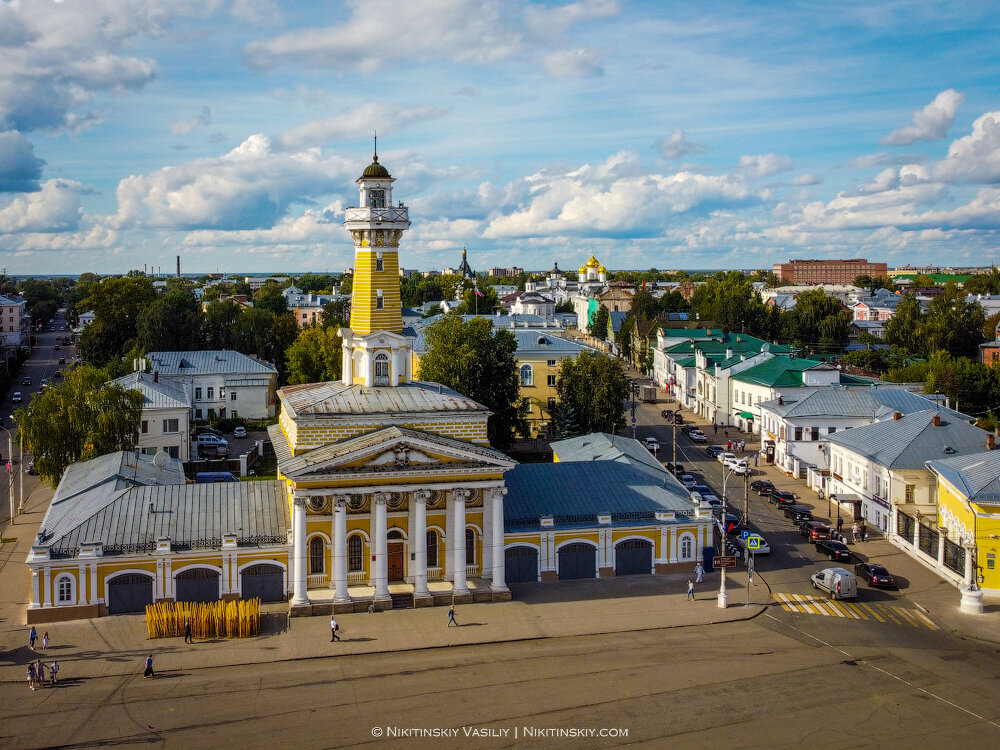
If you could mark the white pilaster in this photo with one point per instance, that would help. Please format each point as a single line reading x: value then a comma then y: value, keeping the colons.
x: 486, y: 569
x: 459, y: 585
x: 168, y: 577
x: 47, y: 593
x: 81, y: 582
x: 381, y: 548
x: 35, y: 589
x: 419, y: 537
x: 340, y: 550
x: 300, y: 576
x: 449, y: 538
x: 93, y: 583
x: 499, y: 582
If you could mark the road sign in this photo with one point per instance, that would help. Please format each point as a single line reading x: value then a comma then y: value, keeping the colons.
x: 633, y: 420
x: 754, y: 542
x: 724, y: 561
x: 745, y: 534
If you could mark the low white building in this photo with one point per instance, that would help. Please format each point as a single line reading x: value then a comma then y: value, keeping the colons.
x: 219, y: 383
x: 14, y: 321
x: 166, y: 415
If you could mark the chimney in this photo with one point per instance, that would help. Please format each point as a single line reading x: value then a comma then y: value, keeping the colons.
x: 937, y: 420
x: 991, y: 442
x: 897, y: 415
x: 781, y: 401
x: 156, y: 376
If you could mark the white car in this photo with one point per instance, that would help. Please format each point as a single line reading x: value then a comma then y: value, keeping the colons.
x: 738, y: 466
x: 16, y: 398
x: 653, y: 444
x: 762, y: 548
x: 698, y: 436
x: 688, y: 481
x: 725, y: 458
x: 240, y: 432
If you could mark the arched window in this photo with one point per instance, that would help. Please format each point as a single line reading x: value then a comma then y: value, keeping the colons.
x: 317, y: 555
x: 381, y: 369
x: 64, y: 590
x: 432, y: 549
x: 379, y: 264
x: 687, y: 547
x: 526, y: 375
x: 470, y: 547
x: 355, y: 562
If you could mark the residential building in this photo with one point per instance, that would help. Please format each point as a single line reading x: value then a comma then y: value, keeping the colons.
x: 803, y: 271
x: 166, y: 415
x: 219, y: 383
x: 257, y: 282
x: 506, y: 273
x: 14, y: 321
x: 846, y: 294
x: 879, y: 472
x: 529, y: 302
x: 881, y: 307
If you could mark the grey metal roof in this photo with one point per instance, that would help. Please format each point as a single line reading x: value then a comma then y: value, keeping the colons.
x: 161, y: 395
x: 529, y: 341
x: 575, y: 492
x: 859, y: 402
x: 617, y: 318
x: 976, y: 475
x: 87, y: 486
x: 336, y: 399
x: 193, y: 516
x: 330, y: 452
x: 603, y: 446
x: 909, y: 442
x: 212, y: 362
x: 282, y: 450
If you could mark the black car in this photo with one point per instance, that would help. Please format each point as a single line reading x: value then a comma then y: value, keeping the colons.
x: 678, y: 419
x: 761, y: 486
x: 798, y: 513
x: 876, y: 575
x: 679, y: 469
x: 667, y: 414
x: 781, y: 498
x: 733, y: 522
x: 837, y: 551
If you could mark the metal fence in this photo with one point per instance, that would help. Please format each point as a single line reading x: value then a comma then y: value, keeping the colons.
x: 904, y: 526
x: 928, y: 540
x: 954, y: 557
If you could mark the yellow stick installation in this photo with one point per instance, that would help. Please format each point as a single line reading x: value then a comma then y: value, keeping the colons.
x: 239, y: 619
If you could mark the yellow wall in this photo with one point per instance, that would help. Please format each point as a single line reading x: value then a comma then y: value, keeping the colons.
x: 988, y: 550
x: 365, y: 318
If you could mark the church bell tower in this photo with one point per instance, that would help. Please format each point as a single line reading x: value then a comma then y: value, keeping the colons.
x: 376, y: 353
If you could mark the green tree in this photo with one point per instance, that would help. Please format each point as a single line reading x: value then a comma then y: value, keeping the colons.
x: 731, y: 301
x: 336, y: 313
x: 172, y: 322
x: 972, y: 387
x: 923, y: 281
x: 990, y: 327
x: 595, y: 388
x: 599, y: 323
x: 983, y: 283
x: 874, y: 283
x: 644, y: 304
x: 316, y: 282
x: 817, y: 323
x: 269, y: 297
x: 315, y: 356
x: 480, y: 362
x: 78, y: 419
x: 905, y: 328
x: 222, y: 318
x: 954, y: 325
x: 116, y: 304
x: 565, y: 307
x: 565, y: 420
x: 485, y: 303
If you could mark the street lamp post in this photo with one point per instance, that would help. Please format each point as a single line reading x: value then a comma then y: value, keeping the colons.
x: 10, y: 472
x: 723, y: 596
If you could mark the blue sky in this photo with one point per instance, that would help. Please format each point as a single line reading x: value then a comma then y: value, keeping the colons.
x: 652, y: 134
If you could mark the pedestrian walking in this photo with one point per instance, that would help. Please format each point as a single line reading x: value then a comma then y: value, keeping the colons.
x: 334, y: 627
x: 699, y: 572
x: 451, y: 616
x: 31, y: 675
x: 840, y: 526
x: 32, y: 637
x: 149, y: 667
x: 855, y: 531
x: 53, y: 671
x: 727, y: 432
x: 716, y: 426
x: 39, y: 673
x: 187, y: 632
x: 864, y: 532
x: 755, y: 457
x: 690, y: 596
x: 729, y: 445
x: 45, y: 640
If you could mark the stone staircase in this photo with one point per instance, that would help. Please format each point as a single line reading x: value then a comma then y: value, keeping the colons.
x: 402, y: 601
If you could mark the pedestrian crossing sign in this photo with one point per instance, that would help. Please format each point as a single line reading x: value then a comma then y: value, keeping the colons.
x: 753, y: 542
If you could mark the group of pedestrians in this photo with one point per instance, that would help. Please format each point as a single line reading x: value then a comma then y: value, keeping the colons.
x: 36, y: 674
x: 33, y: 637
x: 736, y: 446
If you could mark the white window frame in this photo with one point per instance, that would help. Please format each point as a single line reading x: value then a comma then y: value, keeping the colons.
x: 57, y: 590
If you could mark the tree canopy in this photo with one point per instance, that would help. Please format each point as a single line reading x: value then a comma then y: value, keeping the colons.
x: 78, y: 419
x: 592, y: 390
x: 315, y: 356
x: 599, y: 323
x: 479, y: 362
x: 117, y: 304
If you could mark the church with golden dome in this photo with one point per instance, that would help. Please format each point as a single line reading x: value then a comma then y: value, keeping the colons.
x: 593, y: 272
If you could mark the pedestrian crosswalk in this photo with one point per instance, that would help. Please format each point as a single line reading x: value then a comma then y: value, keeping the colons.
x: 884, y: 613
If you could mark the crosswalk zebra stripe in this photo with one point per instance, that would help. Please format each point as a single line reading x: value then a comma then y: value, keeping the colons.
x: 907, y: 617
x: 925, y: 619
x: 786, y: 602
x: 885, y: 614
x: 871, y: 610
x: 853, y: 611
x: 805, y: 604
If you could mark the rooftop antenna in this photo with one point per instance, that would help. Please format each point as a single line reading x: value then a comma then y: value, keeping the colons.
x: 376, y: 145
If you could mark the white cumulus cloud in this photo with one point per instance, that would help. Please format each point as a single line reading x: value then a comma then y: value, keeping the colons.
x: 930, y: 123
x: 359, y: 122
x: 53, y: 208
x: 677, y: 145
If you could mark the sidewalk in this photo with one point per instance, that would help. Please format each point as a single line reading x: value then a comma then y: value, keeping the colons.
x: 932, y: 594
x: 118, y: 645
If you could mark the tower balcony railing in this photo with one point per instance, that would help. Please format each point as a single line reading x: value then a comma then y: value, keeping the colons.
x: 400, y: 213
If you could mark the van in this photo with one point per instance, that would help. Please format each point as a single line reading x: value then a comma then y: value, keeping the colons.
x: 838, y: 582
x: 206, y: 477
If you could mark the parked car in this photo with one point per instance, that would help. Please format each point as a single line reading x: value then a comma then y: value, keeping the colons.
x: 781, y: 498
x: 762, y: 548
x: 687, y: 428
x: 839, y: 583
x: 704, y: 489
x: 653, y: 444
x: 62, y: 360
x: 688, y: 481
x: 204, y: 430
x: 57, y: 375
x: 834, y: 550
x: 876, y: 575
x: 240, y: 432
x: 44, y: 383
x: 815, y: 530
x: 712, y: 500
x: 698, y: 436
x: 16, y: 398
x: 56, y: 347
x: 31, y: 467
x: 725, y: 456
x: 26, y: 380
x: 667, y: 414
x: 733, y: 522
x: 798, y: 513
x: 761, y: 486
x: 678, y: 419
x: 737, y: 466
x: 678, y: 468
x: 207, y: 440
x: 715, y: 450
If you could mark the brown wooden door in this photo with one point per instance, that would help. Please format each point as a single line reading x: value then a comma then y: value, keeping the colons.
x: 395, y: 560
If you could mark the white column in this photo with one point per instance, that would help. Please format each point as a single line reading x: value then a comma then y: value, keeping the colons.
x: 35, y: 593
x: 916, y: 530
x: 299, y: 579
x: 499, y: 582
x: 168, y: 578
x: 419, y: 538
x: 81, y: 581
x: 459, y: 585
x: 449, y: 538
x: 47, y: 594
x: 381, y: 548
x: 93, y: 583
x: 340, y: 549
x: 227, y: 581
x: 486, y: 569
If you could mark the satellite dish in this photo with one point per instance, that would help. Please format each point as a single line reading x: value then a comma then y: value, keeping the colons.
x: 161, y: 459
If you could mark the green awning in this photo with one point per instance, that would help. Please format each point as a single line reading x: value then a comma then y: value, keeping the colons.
x: 746, y: 414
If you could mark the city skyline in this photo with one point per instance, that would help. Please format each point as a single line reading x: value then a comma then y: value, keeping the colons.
x: 648, y: 134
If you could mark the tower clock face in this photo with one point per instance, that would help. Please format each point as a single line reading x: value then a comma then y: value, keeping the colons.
x: 376, y: 199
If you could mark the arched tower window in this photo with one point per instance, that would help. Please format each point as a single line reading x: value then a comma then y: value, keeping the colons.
x: 526, y: 375
x: 381, y: 365
x: 355, y: 562
x: 432, y: 549
x: 317, y: 553
x: 470, y: 547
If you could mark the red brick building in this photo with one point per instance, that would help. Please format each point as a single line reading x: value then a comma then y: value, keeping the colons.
x: 802, y: 271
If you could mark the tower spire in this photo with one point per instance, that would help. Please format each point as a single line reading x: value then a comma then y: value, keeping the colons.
x: 376, y: 146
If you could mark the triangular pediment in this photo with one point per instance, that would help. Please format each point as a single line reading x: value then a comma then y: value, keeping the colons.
x: 393, y: 451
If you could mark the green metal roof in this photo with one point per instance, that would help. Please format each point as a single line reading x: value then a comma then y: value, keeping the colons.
x: 777, y: 372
